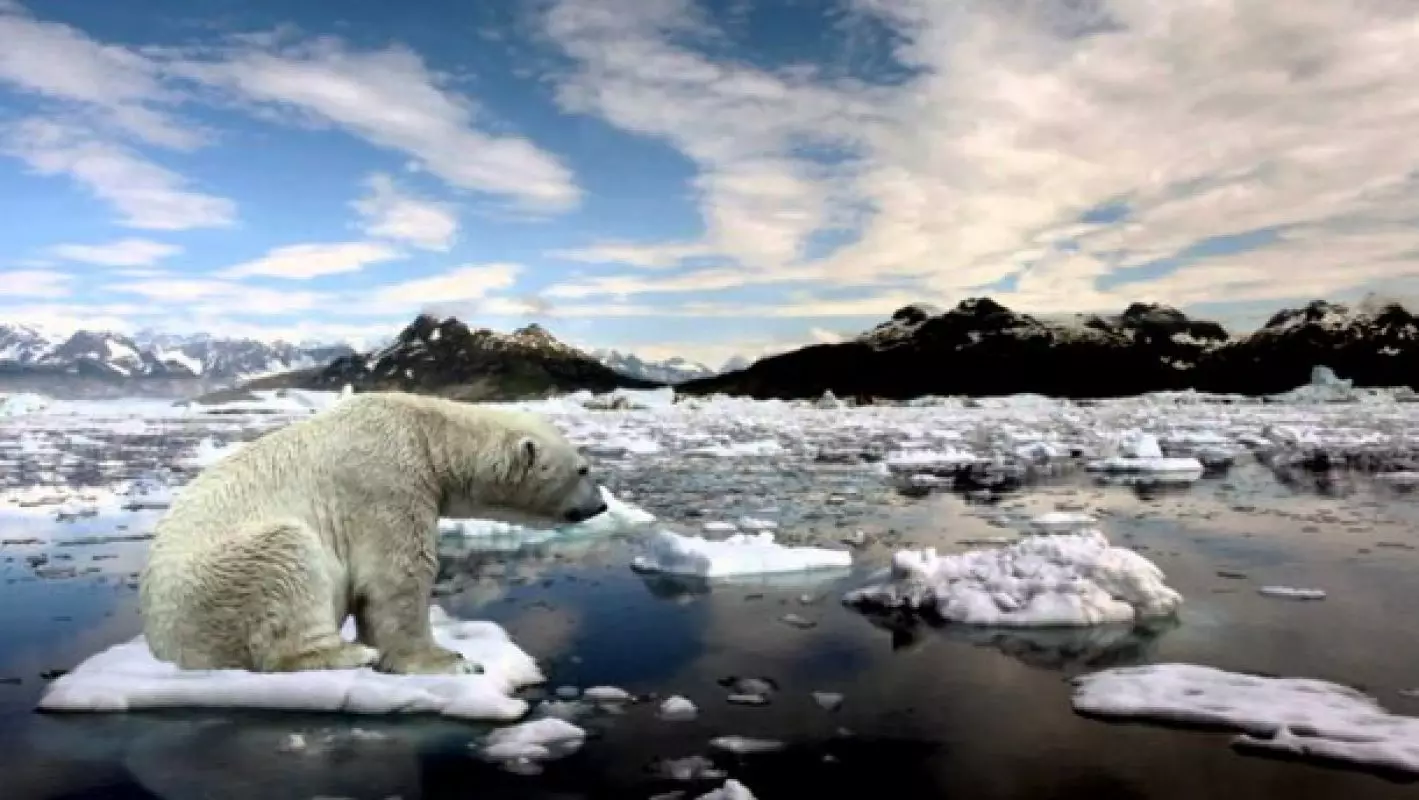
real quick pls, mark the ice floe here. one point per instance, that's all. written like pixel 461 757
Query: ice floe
pixel 127 677
pixel 1300 717
pixel 618 515
pixel 740 554
pixel 1058 580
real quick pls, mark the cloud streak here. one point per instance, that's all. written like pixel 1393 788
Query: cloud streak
pixel 1196 119
pixel 391 99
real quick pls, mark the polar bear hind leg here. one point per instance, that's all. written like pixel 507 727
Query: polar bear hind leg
pixel 275 582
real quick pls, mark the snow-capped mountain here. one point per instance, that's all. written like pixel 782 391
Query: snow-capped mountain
pixel 671 370
pixel 152 354
pixel 448 358
pixel 21 344
pixel 983 348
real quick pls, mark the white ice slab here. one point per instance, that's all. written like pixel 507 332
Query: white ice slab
pixel 741 554
pixel 127 677
pixel 1298 716
pixel 1051 580
pixel 617 516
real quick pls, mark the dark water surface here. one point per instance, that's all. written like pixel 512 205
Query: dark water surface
pixel 928 713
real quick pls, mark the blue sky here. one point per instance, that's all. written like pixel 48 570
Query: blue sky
pixel 696 178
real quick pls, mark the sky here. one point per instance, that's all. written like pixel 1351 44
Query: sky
pixel 696 178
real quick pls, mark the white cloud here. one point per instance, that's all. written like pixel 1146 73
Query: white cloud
pixel 198 297
pixel 148 196
pixel 740 125
pixel 1206 117
pixel 390 213
pixel 392 100
pixel 462 284
pixel 654 256
pixel 58 62
pixel 121 253
pixel 306 261
pixel 63 318
pixel 35 283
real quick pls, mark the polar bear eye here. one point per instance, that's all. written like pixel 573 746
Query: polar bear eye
pixel 583 471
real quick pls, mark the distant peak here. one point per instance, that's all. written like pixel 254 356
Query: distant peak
pixel 980 307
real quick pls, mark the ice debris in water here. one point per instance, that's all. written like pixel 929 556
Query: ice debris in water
pixel 617 516
pixel 538 740
pixel 1058 521
pixel 127 677
pixel 745 745
pixel 1298 716
pixel 740 554
pixel 1145 455
pixel 1060 580
pixel 731 790
pixel 1292 593
pixel 677 708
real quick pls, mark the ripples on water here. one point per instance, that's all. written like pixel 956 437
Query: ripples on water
pixel 937 711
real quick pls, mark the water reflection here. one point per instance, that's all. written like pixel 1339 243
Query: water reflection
pixel 1060 648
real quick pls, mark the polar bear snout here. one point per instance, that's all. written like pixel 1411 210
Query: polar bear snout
pixel 583 514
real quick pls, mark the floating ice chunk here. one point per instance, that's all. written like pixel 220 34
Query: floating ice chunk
pixel 617 516
pixel 731 790
pixel 1062 521
pixel 905 460
pixel 745 745
pixel 1292 592
pixel 607 694
pixel 127 677
pixel 1143 446
pixel 1186 465
pixel 542 739
pixel 1061 580
pixel 678 708
pixel 719 526
pixel 740 554
pixel 760 447
pixel 1299 716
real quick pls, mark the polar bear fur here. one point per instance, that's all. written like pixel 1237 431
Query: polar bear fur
pixel 264 554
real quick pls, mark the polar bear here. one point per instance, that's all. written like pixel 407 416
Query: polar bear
pixel 264 554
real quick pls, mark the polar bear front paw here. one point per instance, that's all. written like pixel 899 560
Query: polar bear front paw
pixel 432 661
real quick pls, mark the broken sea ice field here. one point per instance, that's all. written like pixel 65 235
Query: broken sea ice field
pixel 933 569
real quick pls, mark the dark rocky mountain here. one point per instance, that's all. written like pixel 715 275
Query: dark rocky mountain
pixel 982 348
pixel 1372 343
pixel 108 363
pixel 448 358
pixel 670 371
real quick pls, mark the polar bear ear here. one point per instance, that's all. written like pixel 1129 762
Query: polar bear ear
pixel 528 450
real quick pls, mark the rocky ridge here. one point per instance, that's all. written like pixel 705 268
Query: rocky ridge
pixel 983 348
pixel 447 358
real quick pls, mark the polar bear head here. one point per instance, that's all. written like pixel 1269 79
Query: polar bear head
pixel 519 468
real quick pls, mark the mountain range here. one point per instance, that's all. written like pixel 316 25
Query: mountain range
pixel 983 348
pixel 978 348
pixel 447 358
pixel 106 363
